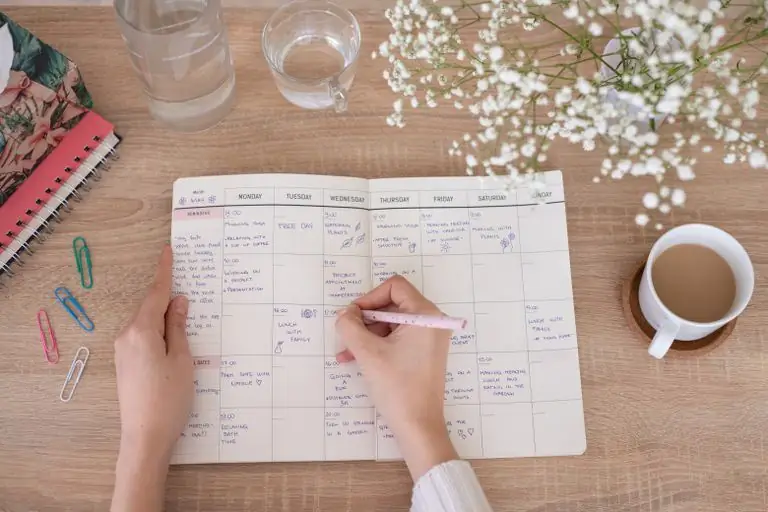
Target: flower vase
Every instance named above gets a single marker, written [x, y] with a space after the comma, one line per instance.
[631, 108]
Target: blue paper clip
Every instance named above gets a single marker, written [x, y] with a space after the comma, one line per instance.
[73, 307]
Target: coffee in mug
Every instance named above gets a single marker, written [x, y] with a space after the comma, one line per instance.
[697, 279]
[694, 282]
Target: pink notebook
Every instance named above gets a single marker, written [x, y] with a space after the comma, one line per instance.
[51, 143]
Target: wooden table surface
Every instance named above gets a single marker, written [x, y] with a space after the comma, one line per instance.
[679, 435]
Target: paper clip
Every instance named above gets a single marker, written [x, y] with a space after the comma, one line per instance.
[83, 261]
[73, 307]
[48, 340]
[76, 371]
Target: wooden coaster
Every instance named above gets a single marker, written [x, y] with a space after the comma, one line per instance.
[639, 325]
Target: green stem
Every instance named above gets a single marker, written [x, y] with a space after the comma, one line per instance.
[720, 50]
[573, 38]
[760, 35]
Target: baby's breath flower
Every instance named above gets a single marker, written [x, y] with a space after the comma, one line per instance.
[678, 197]
[757, 159]
[522, 99]
[651, 201]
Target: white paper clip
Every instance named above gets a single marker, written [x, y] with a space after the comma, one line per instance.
[76, 371]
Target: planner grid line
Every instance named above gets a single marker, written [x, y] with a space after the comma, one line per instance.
[564, 299]
[372, 280]
[362, 208]
[325, 391]
[474, 320]
[327, 356]
[221, 328]
[272, 341]
[527, 344]
[386, 255]
[367, 407]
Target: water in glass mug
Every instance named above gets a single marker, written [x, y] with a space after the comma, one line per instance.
[180, 50]
[312, 58]
[311, 47]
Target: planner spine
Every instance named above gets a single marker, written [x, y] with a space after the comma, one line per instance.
[67, 179]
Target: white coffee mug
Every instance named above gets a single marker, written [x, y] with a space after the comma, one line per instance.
[670, 327]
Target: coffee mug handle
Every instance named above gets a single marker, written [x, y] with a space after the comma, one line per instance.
[663, 340]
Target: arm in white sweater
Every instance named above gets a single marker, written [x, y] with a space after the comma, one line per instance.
[449, 487]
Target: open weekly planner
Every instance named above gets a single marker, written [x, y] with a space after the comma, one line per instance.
[267, 260]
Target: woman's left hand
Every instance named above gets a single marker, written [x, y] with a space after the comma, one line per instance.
[154, 369]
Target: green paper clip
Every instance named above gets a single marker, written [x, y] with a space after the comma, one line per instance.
[83, 261]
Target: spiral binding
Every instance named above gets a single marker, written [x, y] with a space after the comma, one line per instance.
[56, 215]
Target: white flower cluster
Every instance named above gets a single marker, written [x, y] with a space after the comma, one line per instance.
[655, 96]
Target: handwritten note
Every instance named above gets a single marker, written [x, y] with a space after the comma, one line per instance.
[268, 261]
[298, 329]
[345, 386]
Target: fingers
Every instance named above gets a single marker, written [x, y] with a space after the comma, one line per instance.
[176, 326]
[159, 293]
[360, 343]
[380, 328]
[398, 291]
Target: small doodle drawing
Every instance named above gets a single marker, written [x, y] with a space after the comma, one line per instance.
[359, 225]
[445, 247]
[347, 243]
[506, 242]
[279, 347]
[412, 247]
[360, 239]
[308, 313]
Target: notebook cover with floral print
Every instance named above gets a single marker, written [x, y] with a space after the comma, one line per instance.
[44, 98]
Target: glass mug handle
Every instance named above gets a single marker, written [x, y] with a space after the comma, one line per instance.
[338, 95]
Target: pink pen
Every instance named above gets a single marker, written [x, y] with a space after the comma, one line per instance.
[433, 321]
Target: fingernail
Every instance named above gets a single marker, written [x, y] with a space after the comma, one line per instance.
[345, 356]
[181, 304]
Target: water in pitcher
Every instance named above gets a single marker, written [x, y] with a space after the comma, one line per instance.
[181, 52]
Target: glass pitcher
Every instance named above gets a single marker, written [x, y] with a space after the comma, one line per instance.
[179, 49]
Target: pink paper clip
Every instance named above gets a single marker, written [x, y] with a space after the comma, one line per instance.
[50, 346]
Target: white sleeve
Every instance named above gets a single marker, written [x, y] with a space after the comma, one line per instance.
[449, 487]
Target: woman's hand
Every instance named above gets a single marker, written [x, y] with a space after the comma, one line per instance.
[404, 367]
[155, 389]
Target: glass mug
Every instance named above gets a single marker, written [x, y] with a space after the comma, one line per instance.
[180, 51]
[311, 47]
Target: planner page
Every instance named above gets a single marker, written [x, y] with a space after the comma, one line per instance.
[268, 260]
[498, 258]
